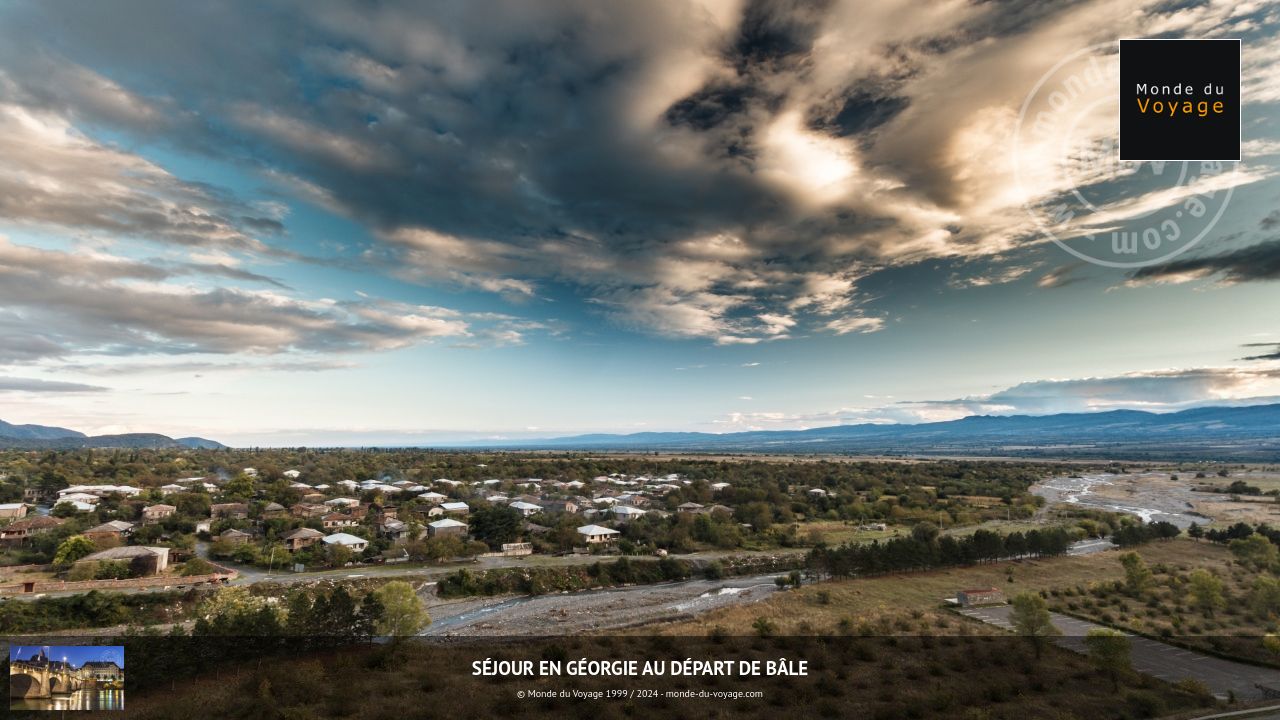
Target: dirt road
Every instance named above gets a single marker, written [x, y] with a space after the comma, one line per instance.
[594, 610]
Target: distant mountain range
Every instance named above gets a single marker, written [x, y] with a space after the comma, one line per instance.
[1209, 433]
[1250, 433]
[41, 437]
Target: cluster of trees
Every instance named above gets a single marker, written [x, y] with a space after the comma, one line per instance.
[1238, 531]
[537, 581]
[90, 610]
[925, 549]
[1132, 534]
[393, 609]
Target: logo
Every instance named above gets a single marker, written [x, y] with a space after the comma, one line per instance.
[1101, 209]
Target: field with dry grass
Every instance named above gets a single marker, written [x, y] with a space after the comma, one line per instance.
[918, 597]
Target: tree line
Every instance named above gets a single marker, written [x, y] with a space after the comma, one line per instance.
[924, 550]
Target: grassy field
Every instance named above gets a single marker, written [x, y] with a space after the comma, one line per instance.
[837, 532]
[915, 600]
[1167, 609]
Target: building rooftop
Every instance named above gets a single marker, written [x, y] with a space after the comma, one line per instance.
[127, 552]
[447, 523]
[344, 539]
[596, 530]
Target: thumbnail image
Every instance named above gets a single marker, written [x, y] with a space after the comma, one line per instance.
[66, 677]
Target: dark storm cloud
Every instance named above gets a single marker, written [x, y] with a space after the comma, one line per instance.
[698, 169]
[1252, 263]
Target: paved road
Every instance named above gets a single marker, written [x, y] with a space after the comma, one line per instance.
[1161, 660]
[1089, 547]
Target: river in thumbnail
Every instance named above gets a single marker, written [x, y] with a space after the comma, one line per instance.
[78, 700]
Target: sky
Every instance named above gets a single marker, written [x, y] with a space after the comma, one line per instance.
[325, 222]
[77, 655]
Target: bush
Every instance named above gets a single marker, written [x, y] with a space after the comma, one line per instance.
[197, 566]
[86, 570]
[113, 570]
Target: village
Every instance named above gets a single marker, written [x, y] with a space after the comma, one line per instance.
[195, 527]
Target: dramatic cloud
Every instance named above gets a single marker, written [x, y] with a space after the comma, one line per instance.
[1251, 263]
[53, 175]
[92, 303]
[718, 169]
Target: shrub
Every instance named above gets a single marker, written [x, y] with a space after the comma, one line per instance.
[764, 627]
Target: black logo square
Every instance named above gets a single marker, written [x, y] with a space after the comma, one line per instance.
[1179, 99]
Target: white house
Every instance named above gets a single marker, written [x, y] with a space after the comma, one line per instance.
[526, 508]
[82, 498]
[447, 526]
[292, 474]
[594, 534]
[455, 508]
[357, 544]
[433, 497]
[625, 513]
[342, 502]
[171, 488]
[100, 490]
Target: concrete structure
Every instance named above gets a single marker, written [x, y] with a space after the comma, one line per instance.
[626, 513]
[229, 510]
[38, 676]
[357, 544]
[148, 560]
[308, 510]
[447, 526]
[116, 530]
[689, 507]
[980, 596]
[455, 508]
[525, 508]
[20, 530]
[234, 537]
[302, 538]
[100, 490]
[152, 513]
[12, 511]
[595, 534]
[337, 520]
[104, 671]
[563, 506]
